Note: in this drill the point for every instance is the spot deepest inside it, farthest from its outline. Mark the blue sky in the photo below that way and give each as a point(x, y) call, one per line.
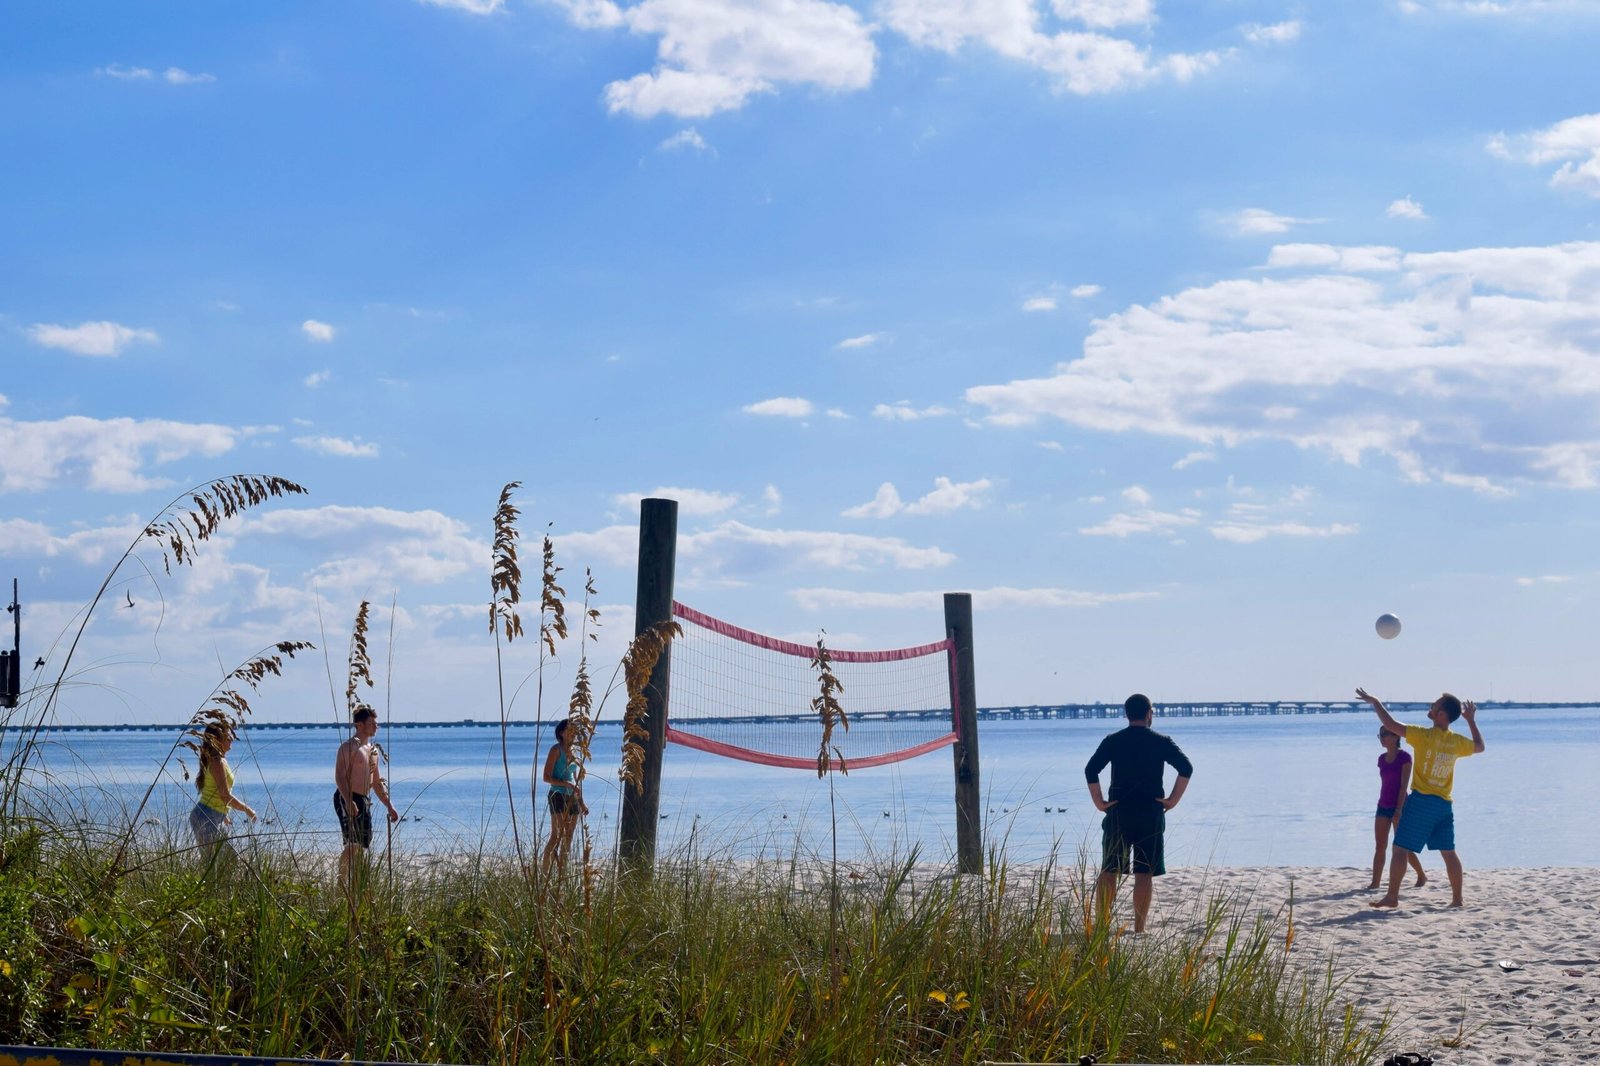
point(1187, 337)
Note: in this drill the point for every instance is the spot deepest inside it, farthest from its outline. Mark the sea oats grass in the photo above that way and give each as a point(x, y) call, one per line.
point(708, 962)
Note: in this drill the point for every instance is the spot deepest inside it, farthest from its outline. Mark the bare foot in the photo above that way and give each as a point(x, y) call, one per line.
point(1457, 902)
point(1375, 884)
point(1422, 879)
point(1387, 901)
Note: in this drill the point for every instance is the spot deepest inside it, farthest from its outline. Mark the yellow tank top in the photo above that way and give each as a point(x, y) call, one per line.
point(208, 788)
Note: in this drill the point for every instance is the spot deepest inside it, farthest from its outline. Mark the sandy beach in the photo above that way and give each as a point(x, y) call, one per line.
point(1439, 969)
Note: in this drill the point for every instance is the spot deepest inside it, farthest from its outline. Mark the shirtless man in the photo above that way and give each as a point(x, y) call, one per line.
point(355, 773)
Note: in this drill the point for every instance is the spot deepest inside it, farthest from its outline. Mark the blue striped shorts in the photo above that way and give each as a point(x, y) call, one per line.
point(1426, 822)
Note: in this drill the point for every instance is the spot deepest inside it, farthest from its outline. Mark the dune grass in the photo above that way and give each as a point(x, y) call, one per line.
point(474, 962)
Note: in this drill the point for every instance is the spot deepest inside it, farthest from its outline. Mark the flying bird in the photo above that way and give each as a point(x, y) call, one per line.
point(128, 594)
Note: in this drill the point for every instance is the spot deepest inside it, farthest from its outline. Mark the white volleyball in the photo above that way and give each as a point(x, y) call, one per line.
point(1388, 626)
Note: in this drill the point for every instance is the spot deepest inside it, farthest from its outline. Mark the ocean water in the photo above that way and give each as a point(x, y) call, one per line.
point(1291, 790)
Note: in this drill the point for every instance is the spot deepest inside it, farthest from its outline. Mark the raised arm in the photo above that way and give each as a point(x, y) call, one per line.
point(1469, 711)
point(1383, 713)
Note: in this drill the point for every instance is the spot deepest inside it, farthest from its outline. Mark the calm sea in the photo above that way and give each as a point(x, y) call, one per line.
point(1266, 790)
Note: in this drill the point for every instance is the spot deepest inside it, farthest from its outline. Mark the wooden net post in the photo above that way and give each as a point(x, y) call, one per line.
point(658, 542)
point(964, 697)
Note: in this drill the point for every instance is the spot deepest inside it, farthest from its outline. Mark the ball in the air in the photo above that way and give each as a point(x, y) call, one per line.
point(1388, 626)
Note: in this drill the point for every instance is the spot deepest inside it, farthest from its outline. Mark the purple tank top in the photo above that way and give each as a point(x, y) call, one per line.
point(1389, 777)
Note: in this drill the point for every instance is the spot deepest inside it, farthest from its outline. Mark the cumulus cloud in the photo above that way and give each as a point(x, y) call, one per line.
point(90, 338)
point(1259, 222)
point(714, 55)
point(1039, 303)
point(685, 139)
point(1572, 142)
point(1194, 457)
point(690, 501)
point(320, 332)
point(317, 378)
point(946, 496)
point(338, 447)
point(902, 411)
point(107, 455)
point(1078, 55)
point(21, 538)
point(996, 598)
point(863, 341)
point(1406, 208)
point(1250, 532)
point(179, 76)
point(1137, 496)
point(782, 407)
point(364, 546)
point(1144, 520)
point(1546, 579)
point(733, 551)
point(1478, 368)
point(1277, 33)
point(1083, 292)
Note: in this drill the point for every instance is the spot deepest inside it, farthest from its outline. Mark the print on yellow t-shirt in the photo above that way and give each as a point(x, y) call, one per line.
point(1434, 767)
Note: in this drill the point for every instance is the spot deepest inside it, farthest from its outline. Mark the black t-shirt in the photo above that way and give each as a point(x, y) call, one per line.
point(1137, 755)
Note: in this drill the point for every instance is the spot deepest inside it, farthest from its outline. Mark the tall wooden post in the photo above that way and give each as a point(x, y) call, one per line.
point(964, 695)
point(641, 808)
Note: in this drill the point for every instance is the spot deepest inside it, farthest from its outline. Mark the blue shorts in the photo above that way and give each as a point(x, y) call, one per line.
point(208, 825)
point(1426, 822)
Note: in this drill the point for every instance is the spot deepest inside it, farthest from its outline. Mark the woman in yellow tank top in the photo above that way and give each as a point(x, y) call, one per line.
point(209, 819)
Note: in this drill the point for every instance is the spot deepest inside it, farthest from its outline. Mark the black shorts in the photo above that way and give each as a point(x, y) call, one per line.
point(564, 803)
point(1132, 838)
point(357, 830)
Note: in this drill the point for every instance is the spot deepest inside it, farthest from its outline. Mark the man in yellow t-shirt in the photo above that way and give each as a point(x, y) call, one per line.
point(1428, 817)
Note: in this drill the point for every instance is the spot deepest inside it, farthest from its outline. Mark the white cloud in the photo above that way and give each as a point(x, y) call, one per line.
point(1497, 7)
point(1406, 208)
point(863, 341)
point(317, 331)
point(1193, 458)
point(20, 538)
point(1258, 222)
point(1364, 259)
point(884, 503)
point(1137, 496)
point(773, 499)
point(1106, 14)
point(1547, 579)
point(902, 411)
point(103, 455)
point(836, 412)
point(473, 7)
point(690, 501)
point(1051, 446)
point(946, 496)
point(734, 549)
point(686, 138)
point(1250, 532)
point(90, 338)
point(1143, 521)
point(816, 599)
point(782, 407)
point(317, 378)
point(1572, 142)
point(714, 55)
point(1083, 292)
point(172, 75)
point(1277, 33)
point(1478, 368)
point(338, 447)
point(1039, 303)
point(374, 546)
point(179, 76)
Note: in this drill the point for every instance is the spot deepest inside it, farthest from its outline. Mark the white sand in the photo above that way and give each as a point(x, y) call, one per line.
point(1438, 968)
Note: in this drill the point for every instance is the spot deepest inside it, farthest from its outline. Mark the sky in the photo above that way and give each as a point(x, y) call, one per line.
point(1187, 338)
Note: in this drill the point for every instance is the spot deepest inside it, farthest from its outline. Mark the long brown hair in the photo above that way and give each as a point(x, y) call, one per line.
point(210, 744)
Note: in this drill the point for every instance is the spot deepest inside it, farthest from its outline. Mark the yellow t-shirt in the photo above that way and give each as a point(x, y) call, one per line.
point(208, 788)
point(1434, 767)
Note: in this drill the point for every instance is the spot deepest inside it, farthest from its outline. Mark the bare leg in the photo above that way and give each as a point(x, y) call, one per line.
point(1143, 890)
point(1105, 896)
point(1380, 851)
point(1397, 871)
point(1416, 864)
point(1452, 866)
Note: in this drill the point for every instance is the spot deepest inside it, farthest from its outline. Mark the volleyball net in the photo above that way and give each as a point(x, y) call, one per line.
point(745, 695)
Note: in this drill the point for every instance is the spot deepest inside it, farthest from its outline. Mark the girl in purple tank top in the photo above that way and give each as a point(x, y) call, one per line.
point(1394, 778)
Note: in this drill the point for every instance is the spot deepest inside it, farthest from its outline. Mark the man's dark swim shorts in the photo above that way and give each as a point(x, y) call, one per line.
point(359, 829)
point(1131, 838)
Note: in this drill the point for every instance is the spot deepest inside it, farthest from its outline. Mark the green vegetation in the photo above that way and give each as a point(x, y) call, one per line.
point(702, 963)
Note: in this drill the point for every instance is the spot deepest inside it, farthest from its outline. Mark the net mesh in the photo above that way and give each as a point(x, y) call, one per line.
point(748, 696)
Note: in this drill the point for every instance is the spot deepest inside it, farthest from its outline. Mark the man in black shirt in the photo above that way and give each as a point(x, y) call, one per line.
point(1136, 813)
